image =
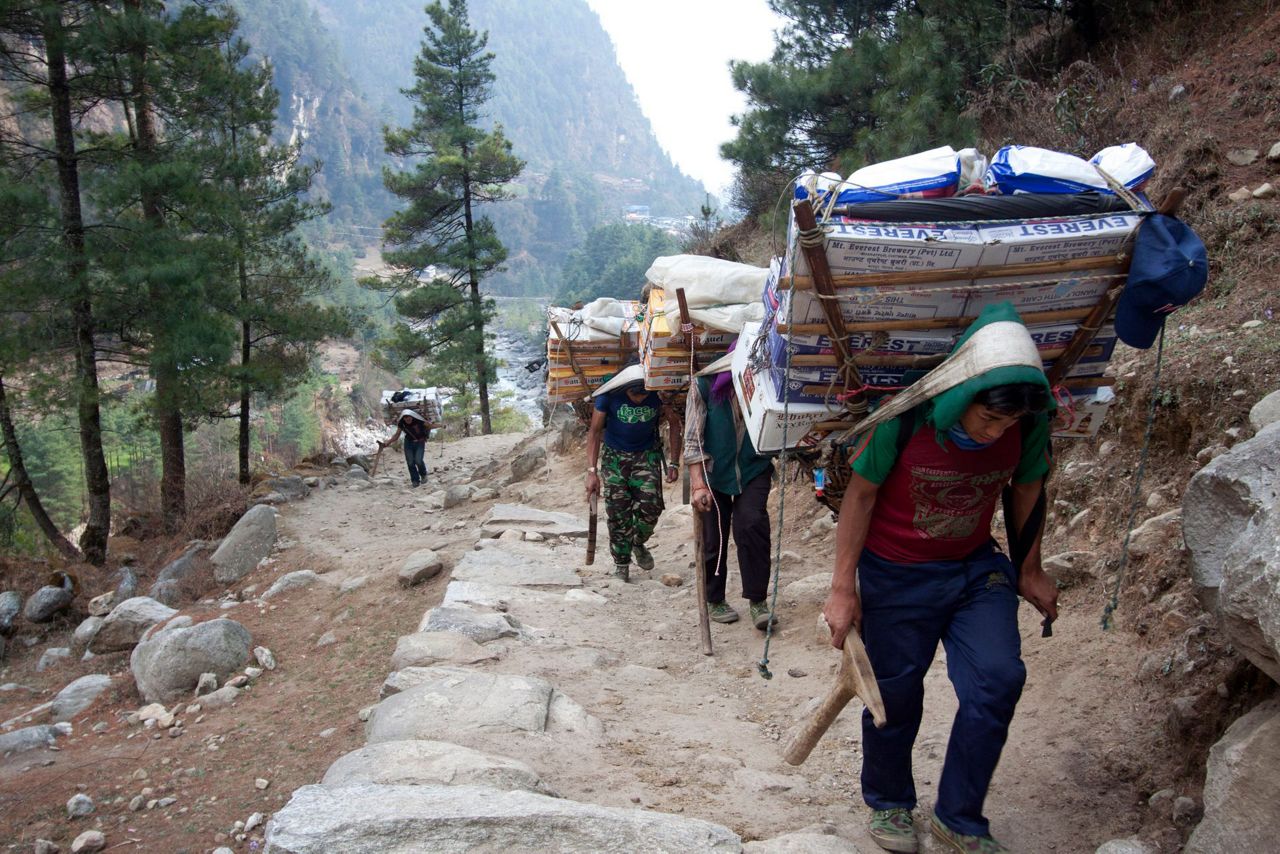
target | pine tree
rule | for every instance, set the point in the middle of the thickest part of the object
(40, 46)
(440, 246)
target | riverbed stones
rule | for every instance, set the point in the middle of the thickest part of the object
(523, 518)
(168, 665)
(46, 603)
(418, 567)
(420, 762)
(1241, 788)
(245, 545)
(480, 627)
(426, 648)
(79, 695)
(128, 622)
(360, 818)
(516, 563)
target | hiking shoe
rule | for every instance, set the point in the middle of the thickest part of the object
(622, 570)
(722, 612)
(761, 616)
(893, 829)
(644, 558)
(965, 844)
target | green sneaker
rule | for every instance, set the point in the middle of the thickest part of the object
(761, 615)
(966, 844)
(893, 829)
(622, 570)
(722, 612)
(644, 558)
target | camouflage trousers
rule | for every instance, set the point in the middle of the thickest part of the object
(632, 484)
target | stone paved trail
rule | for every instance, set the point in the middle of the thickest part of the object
(541, 675)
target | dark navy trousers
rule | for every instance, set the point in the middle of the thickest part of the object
(971, 606)
(414, 454)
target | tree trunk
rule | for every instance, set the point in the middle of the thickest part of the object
(25, 486)
(246, 352)
(477, 308)
(173, 480)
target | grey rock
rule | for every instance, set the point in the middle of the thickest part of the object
(1264, 191)
(46, 603)
(206, 684)
(1241, 788)
(79, 695)
(523, 518)
(312, 482)
(1070, 568)
(51, 657)
(264, 657)
(10, 608)
(361, 460)
(291, 487)
(455, 495)
(169, 583)
(487, 470)
(1132, 845)
(352, 584)
(128, 622)
(248, 542)
(527, 462)
(416, 763)
(361, 818)
(1156, 533)
(484, 493)
(1274, 154)
(28, 738)
(498, 597)
(44, 846)
(84, 632)
(1265, 412)
(224, 696)
(168, 665)
(1185, 810)
(329, 638)
(517, 563)
(126, 584)
(167, 593)
(425, 648)
(79, 806)
(812, 589)
(450, 701)
(808, 843)
(358, 473)
(89, 842)
(1177, 93)
(481, 628)
(291, 581)
(418, 567)
(1242, 156)
(1241, 194)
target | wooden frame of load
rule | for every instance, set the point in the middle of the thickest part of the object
(844, 365)
(580, 407)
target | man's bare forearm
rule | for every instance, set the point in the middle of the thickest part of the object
(1025, 496)
(851, 533)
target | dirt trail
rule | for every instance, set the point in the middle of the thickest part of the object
(682, 732)
(702, 736)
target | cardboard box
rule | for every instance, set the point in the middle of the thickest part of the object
(1083, 419)
(765, 415)
(1064, 239)
(879, 247)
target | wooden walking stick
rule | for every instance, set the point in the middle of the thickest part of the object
(381, 448)
(854, 679)
(591, 529)
(699, 551)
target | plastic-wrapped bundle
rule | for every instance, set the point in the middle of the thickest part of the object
(928, 175)
(1026, 169)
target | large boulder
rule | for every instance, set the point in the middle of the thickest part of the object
(1233, 532)
(245, 545)
(47, 603)
(79, 695)
(1241, 787)
(291, 487)
(1265, 412)
(127, 623)
(529, 460)
(418, 763)
(367, 818)
(176, 583)
(29, 738)
(526, 519)
(167, 665)
(10, 608)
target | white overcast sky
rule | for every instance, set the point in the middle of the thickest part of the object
(676, 54)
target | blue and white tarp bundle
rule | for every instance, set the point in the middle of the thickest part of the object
(1025, 169)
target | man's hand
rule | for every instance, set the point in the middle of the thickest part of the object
(843, 613)
(673, 473)
(701, 498)
(1040, 590)
(593, 484)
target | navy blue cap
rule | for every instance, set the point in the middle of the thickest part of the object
(1169, 268)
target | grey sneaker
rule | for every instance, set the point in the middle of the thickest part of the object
(893, 829)
(622, 570)
(722, 612)
(761, 615)
(644, 558)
